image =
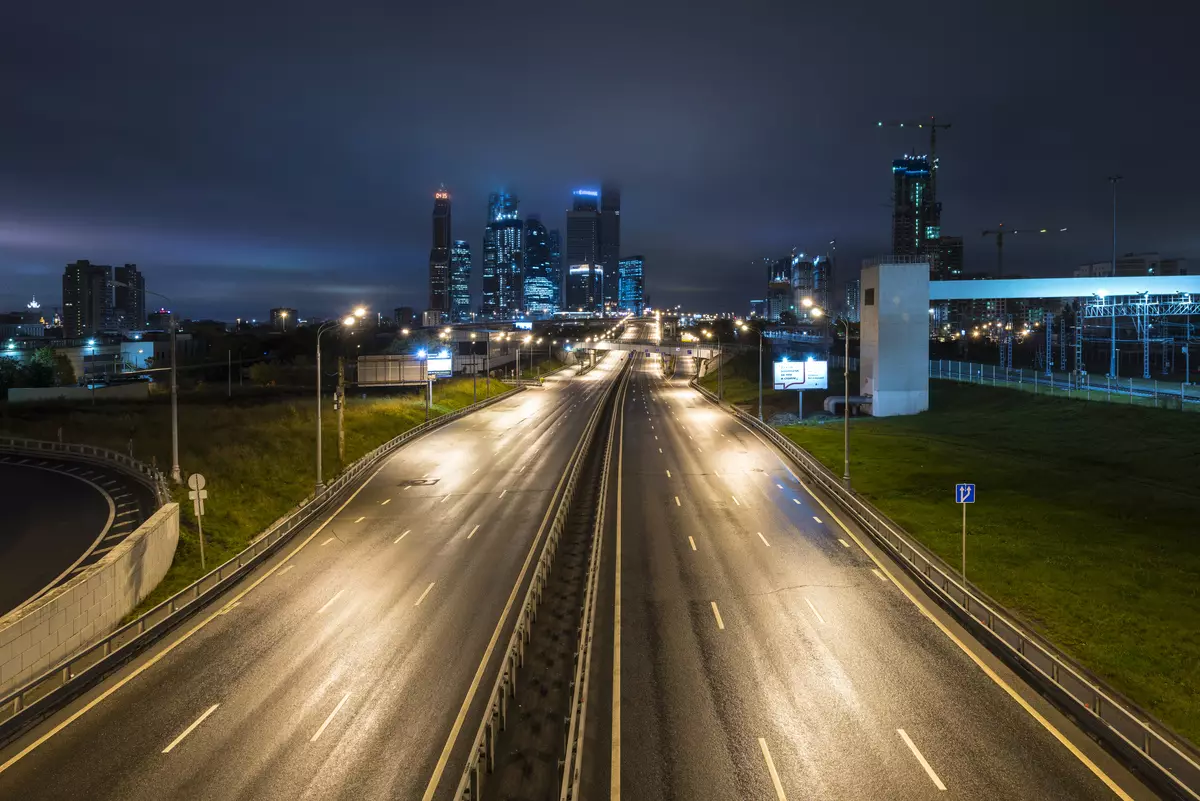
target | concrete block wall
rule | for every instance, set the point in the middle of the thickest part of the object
(38, 635)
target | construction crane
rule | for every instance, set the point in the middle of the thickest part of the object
(1000, 231)
(933, 125)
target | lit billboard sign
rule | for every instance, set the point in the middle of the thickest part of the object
(523, 325)
(440, 366)
(809, 374)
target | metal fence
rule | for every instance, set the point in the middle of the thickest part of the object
(1165, 757)
(42, 694)
(1136, 391)
(482, 754)
(143, 472)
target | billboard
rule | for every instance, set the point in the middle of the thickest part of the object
(523, 325)
(440, 366)
(809, 374)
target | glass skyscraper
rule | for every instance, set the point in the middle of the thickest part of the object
(583, 250)
(503, 258)
(554, 237)
(460, 281)
(916, 216)
(541, 289)
(609, 241)
(439, 254)
(632, 294)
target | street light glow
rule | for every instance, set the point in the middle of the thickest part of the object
(361, 311)
(350, 320)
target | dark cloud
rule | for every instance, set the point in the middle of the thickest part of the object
(253, 154)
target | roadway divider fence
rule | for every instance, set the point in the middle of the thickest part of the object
(482, 754)
(147, 474)
(1165, 758)
(46, 692)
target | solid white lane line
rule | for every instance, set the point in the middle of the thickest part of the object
(814, 611)
(843, 542)
(502, 494)
(326, 542)
(472, 534)
(359, 520)
(717, 614)
(677, 503)
(286, 568)
(190, 729)
(735, 500)
(668, 474)
(615, 758)
(766, 752)
(402, 536)
(693, 542)
(386, 502)
(878, 575)
(920, 758)
(427, 589)
(764, 539)
(336, 709)
(816, 518)
(330, 601)
(443, 500)
(796, 501)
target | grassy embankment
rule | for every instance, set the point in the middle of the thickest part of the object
(258, 456)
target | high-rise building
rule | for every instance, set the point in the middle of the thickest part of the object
(541, 288)
(129, 298)
(503, 258)
(554, 238)
(284, 319)
(406, 316)
(853, 309)
(87, 299)
(609, 241)
(780, 287)
(632, 293)
(947, 264)
(460, 281)
(439, 254)
(916, 215)
(583, 250)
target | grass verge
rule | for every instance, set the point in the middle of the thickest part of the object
(258, 456)
(1086, 523)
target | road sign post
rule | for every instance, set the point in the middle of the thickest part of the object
(964, 494)
(198, 493)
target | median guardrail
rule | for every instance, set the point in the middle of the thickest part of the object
(43, 694)
(482, 754)
(1164, 757)
(143, 472)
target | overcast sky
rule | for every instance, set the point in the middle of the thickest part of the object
(252, 154)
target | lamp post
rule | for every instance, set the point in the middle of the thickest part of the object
(760, 339)
(346, 321)
(818, 312)
(474, 371)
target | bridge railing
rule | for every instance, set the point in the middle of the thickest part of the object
(1162, 755)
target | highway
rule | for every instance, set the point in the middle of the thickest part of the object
(342, 668)
(762, 653)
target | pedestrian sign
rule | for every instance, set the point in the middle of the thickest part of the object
(964, 493)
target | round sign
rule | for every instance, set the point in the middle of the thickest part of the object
(196, 481)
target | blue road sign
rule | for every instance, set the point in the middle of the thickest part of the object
(964, 493)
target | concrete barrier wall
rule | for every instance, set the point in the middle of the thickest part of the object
(139, 391)
(36, 636)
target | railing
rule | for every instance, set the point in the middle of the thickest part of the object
(90, 453)
(482, 754)
(1141, 391)
(1159, 753)
(42, 694)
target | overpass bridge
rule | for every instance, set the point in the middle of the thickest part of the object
(693, 350)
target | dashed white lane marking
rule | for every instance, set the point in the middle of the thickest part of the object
(359, 520)
(717, 614)
(190, 729)
(843, 542)
(668, 474)
(326, 542)
(502, 494)
(427, 589)
(920, 758)
(402, 536)
(764, 539)
(693, 543)
(814, 611)
(779, 485)
(660, 450)
(796, 501)
(735, 500)
(285, 569)
(330, 601)
(443, 500)
(878, 575)
(336, 709)
(677, 503)
(766, 752)
(408, 486)
(472, 534)
(816, 518)
(385, 502)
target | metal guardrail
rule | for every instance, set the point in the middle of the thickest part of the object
(68, 678)
(145, 473)
(1160, 754)
(482, 754)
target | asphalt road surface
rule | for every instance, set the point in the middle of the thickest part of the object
(49, 520)
(764, 655)
(342, 672)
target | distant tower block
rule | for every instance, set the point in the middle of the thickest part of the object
(894, 351)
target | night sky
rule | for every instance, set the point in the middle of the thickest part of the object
(253, 154)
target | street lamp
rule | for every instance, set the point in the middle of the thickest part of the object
(348, 321)
(760, 339)
(818, 312)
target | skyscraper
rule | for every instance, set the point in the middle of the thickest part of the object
(632, 293)
(460, 281)
(916, 217)
(781, 287)
(439, 254)
(554, 237)
(610, 243)
(129, 296)
(853, 293)
(503, 257)
(541, 289)
(87, 299)
(949, 263)
(586, 276)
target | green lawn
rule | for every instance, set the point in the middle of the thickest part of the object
(1087, 523)
(541, 368)
(258, 456)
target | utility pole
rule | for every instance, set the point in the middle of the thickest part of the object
(1112, 363)
(339, 403)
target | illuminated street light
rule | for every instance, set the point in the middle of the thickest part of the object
(404, 331)
(361, 311)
